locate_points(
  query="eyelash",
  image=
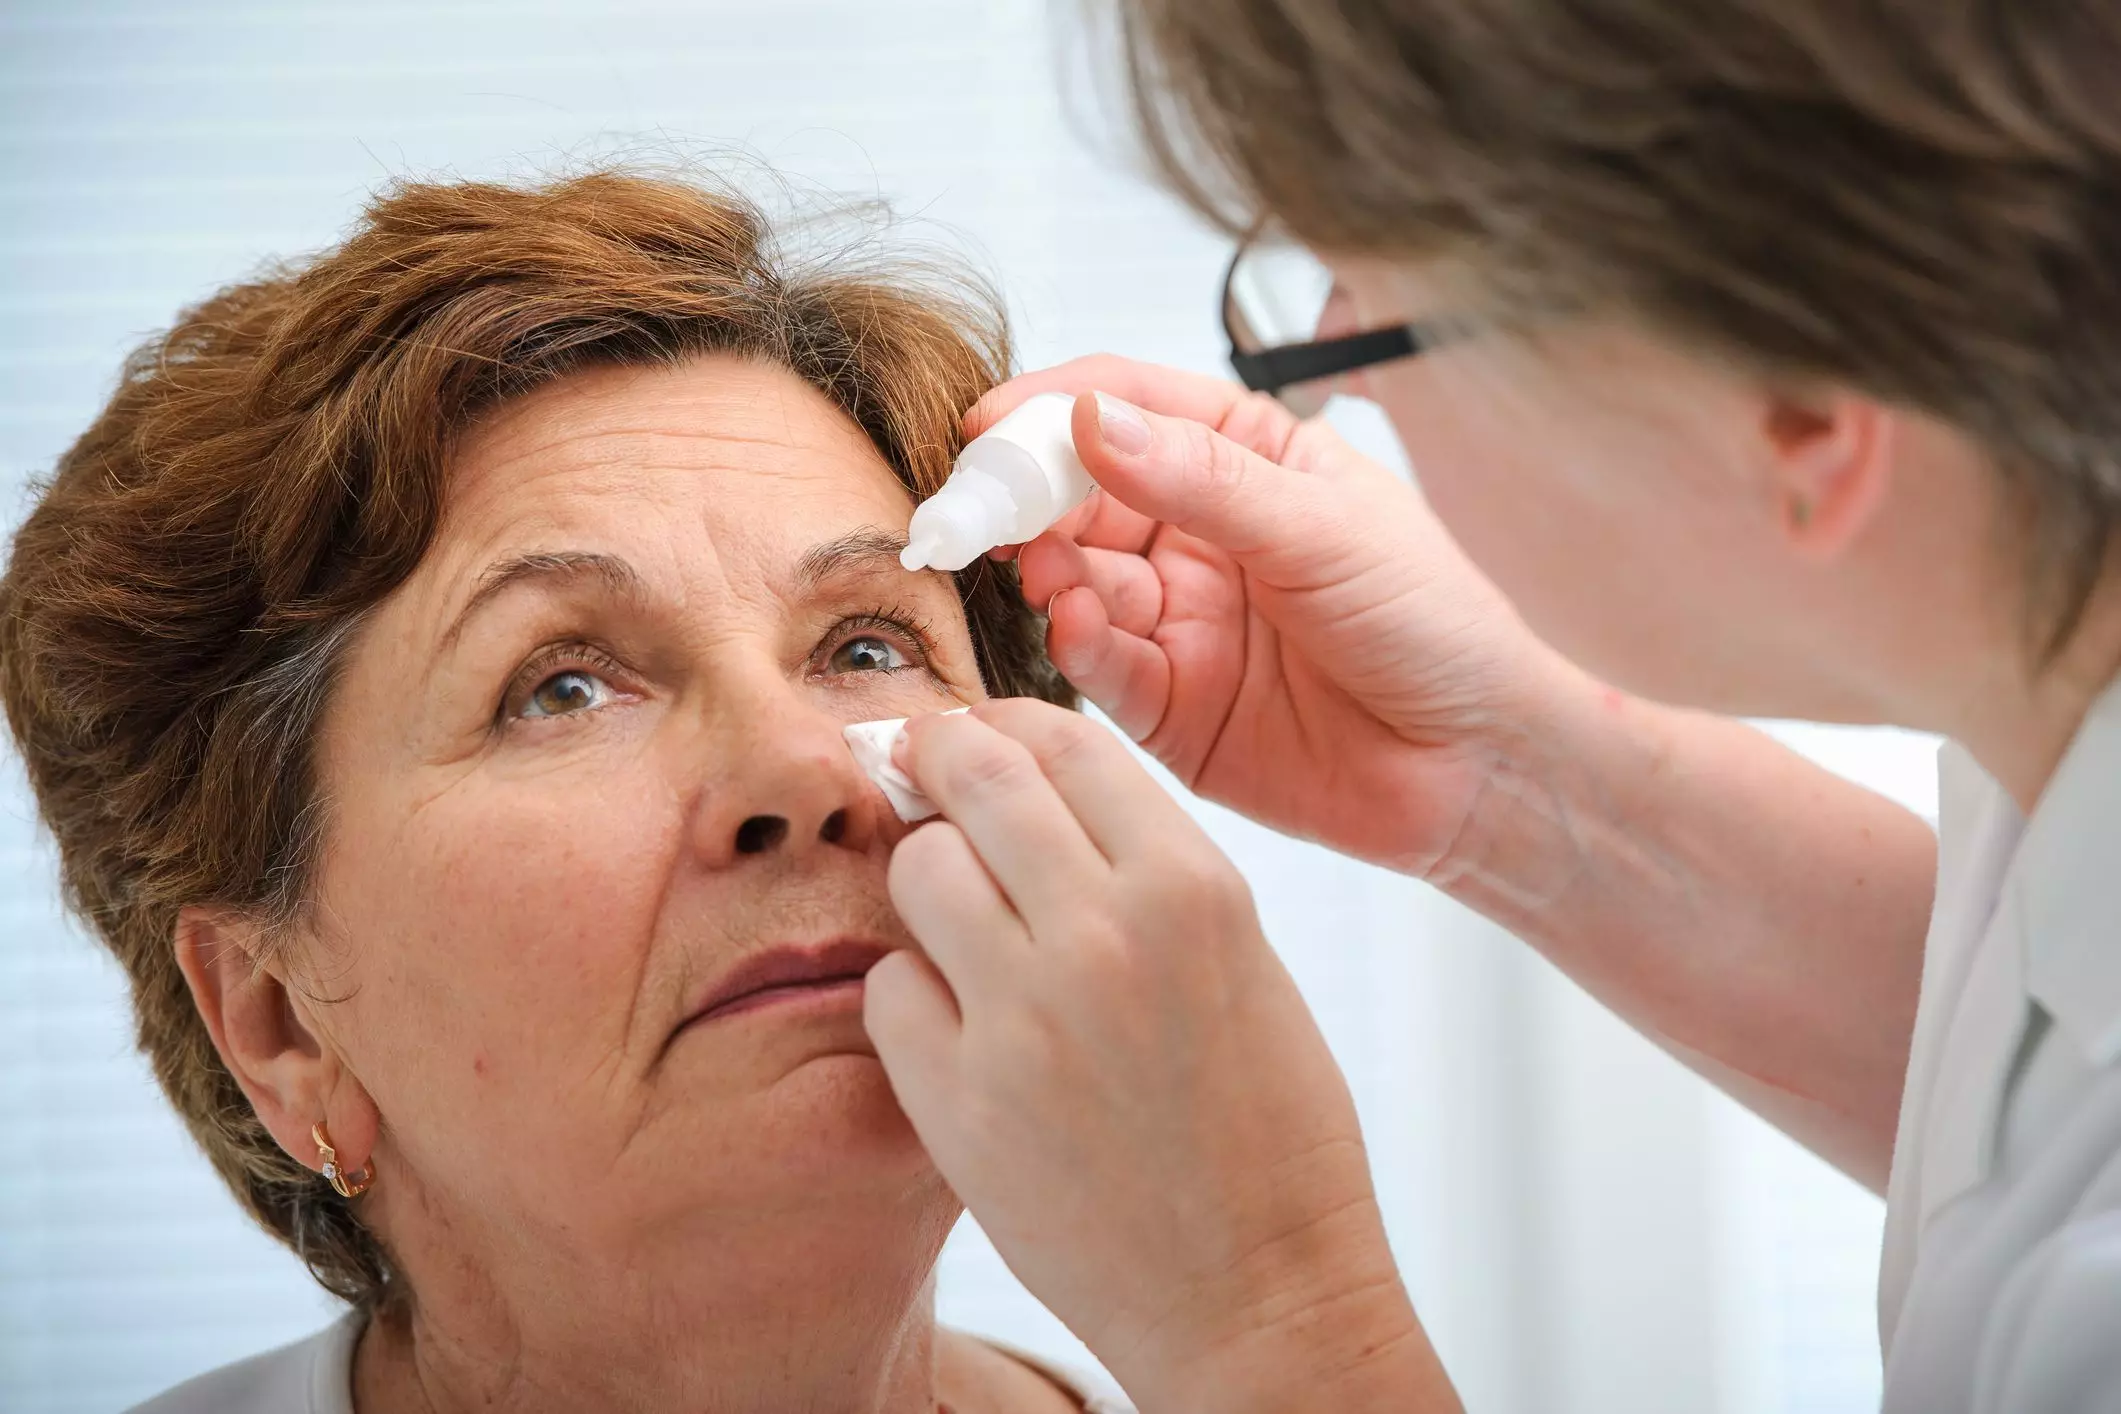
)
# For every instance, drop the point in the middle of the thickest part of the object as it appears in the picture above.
(552, 659)
(914, 632)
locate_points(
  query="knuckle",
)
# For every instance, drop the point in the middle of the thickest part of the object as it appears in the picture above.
(1220, 462)
(1201, 885)
(1059, 740)
(995, 767)
(1073, 742)
(1011, 715)
(1257, 417)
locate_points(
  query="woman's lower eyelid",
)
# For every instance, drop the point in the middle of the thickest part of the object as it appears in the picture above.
(552, 660)
(919, 639)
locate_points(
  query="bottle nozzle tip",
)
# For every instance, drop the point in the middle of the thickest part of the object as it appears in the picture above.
(917, 552)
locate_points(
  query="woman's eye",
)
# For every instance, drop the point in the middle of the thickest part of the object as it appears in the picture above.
(566, 693)
(867, 654)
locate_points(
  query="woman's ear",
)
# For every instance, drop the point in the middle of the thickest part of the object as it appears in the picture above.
(1832, 460)
(266, 1035)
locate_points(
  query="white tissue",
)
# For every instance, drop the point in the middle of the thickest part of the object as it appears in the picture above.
(871, 743)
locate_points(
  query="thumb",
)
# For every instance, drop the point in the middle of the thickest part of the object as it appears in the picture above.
(1277, 521)
(913, 1021)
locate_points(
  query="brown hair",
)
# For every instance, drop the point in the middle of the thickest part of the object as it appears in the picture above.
(1921, 202)
(272, 467)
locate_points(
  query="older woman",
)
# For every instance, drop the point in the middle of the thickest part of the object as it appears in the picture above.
(432, 665)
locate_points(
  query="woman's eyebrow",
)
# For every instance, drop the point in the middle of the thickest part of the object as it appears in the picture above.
(865, 551)
(543, 567)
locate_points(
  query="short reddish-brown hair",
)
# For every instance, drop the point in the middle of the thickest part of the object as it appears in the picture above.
(275, 465)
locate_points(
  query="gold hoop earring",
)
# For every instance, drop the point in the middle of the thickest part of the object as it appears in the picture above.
(346, 1185)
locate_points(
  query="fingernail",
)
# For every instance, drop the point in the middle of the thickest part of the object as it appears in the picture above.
(1121, 426)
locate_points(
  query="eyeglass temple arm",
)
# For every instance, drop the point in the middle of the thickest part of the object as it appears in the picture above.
(1271, 370)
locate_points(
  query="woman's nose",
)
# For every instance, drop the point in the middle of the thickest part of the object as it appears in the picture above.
(763, 834)
(784, 786)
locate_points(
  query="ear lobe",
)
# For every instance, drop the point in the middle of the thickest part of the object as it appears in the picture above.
(262, 1032)
(1833, 465)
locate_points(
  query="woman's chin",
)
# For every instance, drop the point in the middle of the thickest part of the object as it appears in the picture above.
(846, 1101)
(829, 1122)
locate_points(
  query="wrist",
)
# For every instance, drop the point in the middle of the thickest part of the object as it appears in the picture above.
(1354, 1353)
(1568, 762)
(1325, 1325)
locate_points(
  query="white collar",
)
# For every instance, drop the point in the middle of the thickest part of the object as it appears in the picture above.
(2065, 888)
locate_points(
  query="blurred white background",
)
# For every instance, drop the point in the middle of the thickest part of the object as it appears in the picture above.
(1586, 1228)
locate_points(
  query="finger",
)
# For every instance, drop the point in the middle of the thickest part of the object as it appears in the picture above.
(1253, 420)
(1129, 678)
(1127, 585)
(990, 788)
(1119, 804)
(914, 1023)
(1178, 471)
(952, 906)
(1101, 521)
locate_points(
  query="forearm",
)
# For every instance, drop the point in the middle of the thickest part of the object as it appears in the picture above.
(1756, 914)
(1329, 1330)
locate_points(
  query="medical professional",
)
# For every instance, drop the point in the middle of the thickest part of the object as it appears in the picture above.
(1755, 359)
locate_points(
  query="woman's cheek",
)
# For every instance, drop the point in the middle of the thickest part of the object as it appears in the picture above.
(515, 918)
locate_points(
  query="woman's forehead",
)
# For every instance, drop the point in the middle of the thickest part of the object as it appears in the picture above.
(744, 452)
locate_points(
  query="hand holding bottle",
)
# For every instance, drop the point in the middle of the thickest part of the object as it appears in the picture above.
(1276, 618)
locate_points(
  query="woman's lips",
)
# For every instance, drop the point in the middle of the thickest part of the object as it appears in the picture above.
(828, 973)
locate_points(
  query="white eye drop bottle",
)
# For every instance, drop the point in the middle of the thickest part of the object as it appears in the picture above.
(1010, 483)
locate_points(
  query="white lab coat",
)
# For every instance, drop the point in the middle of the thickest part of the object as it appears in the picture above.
(2000, 1291)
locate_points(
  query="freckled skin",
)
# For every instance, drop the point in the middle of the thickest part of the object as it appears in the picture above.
(517, 911)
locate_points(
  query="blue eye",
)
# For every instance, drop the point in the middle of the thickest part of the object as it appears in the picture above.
(566, 693)
(868, 654)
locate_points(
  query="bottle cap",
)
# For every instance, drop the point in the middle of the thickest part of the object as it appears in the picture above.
(1010, 482)
(971, 515)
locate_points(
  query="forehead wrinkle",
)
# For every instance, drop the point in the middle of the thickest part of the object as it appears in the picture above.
(631, 448)
(630, 438)
(721, 416)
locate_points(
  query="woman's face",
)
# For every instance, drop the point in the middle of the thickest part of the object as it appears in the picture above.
(1615, 489)
(586, 776)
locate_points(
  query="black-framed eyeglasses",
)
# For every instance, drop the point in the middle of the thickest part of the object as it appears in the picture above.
(1274, 295)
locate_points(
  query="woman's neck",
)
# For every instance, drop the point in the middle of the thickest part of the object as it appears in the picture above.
(835, 1312)
(2019, 723)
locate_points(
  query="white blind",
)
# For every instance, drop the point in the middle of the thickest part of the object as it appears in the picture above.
(150, 152)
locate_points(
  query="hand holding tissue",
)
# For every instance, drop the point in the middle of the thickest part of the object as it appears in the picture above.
(872, 743)
(1094, 1014)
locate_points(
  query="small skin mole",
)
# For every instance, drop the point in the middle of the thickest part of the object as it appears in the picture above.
(478, 1063)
